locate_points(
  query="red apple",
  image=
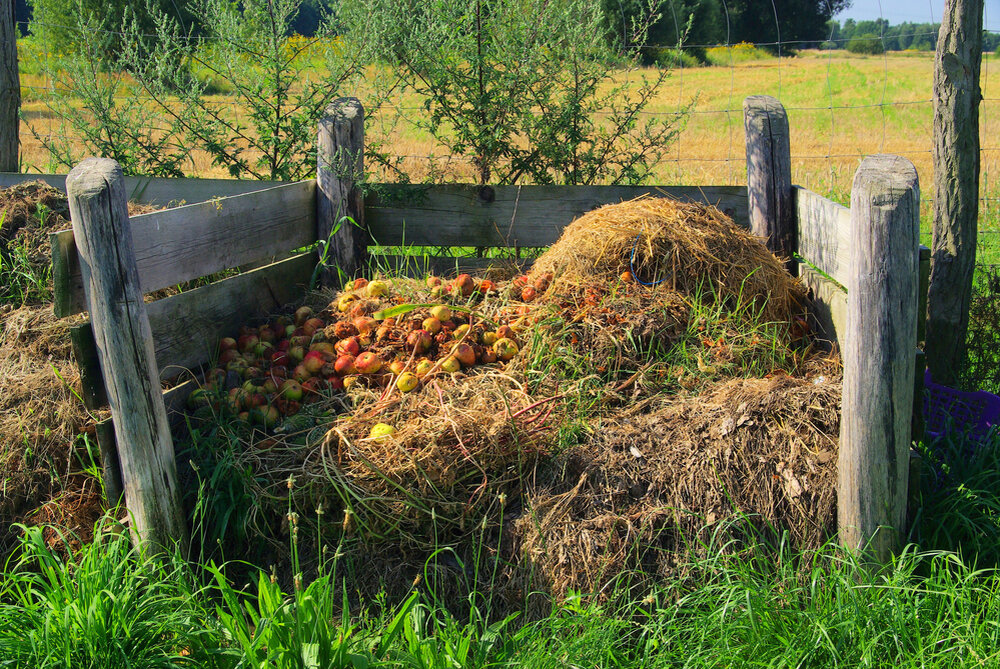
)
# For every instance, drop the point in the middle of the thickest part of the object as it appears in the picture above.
(465, 354)
(358, 284)
(247, 341)
(267, 334)
(528, 294)
(368, 363)
(228, 356)
(296, 354)
(465, 284)
(350, 346)
(313, 361)
(345, 365)
(227, 343)
(397, 366)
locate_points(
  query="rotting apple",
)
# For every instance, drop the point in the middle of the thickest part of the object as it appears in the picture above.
(442, 312)
(419, 341)
(381, 431)
(423, 367)
(313, 361)
(451, 364)
(350, 346)
(302, 314)
(407, 382)
(431, 324)
(377, 289)
(465, 354)
(505, 348)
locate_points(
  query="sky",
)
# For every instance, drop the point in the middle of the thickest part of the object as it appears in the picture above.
(914, 11)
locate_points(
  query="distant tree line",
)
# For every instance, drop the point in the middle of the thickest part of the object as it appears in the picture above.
(881, 36)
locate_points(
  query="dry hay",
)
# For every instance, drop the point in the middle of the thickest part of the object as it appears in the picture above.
(689, 247)
(40, 410)
(647, 481)
(460, 447)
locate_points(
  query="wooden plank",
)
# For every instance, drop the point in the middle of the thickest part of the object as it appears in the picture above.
(87, 361)
(99, 209)
(769, 175)
(878, 349)
(158, 191)
(418, 266)
(824, 237)
(186, 327)
(185, 243)
(522, 216)
(829, 305)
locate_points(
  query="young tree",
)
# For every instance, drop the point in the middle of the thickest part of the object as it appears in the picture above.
(528, 89)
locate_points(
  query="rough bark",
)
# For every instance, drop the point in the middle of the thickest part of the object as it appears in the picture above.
(956, 185)
(769, 174)
(10, 89)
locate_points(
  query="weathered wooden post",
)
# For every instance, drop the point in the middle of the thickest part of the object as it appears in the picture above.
(769, 174)
(99, 209)
(341, 164)
(878, 355)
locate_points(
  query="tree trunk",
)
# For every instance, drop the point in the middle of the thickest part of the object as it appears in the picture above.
(956, 185)
(10, 89)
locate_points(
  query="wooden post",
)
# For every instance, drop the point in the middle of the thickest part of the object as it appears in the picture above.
(341, 164)
(956, 185)
(98, 207)
(879, 355)
(769, 175)
(10, 90)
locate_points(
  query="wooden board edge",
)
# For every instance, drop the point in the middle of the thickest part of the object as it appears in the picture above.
(63, 246)
(446, 266)
(283, 282)
(828, 306)
(88, 363)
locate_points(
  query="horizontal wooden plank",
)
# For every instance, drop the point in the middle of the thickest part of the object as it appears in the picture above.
(824, 233)
(185, 243)
(829, 305)
(186, 327)
(521, 216)
(158, 191)
(417, 266)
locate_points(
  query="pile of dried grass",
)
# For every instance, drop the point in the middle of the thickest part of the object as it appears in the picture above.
(459, 445)
(646, 482)
(689, 247)
(40, 409)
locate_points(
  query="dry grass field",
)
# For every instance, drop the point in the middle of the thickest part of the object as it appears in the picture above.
(841, 107)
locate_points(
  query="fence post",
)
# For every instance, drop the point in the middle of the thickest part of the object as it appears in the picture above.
(10, 90)
(769, 175)
(340, 150)
(878, 355)
(99, 209)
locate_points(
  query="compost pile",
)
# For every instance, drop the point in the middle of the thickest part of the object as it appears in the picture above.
(42, 454)
(651, 375)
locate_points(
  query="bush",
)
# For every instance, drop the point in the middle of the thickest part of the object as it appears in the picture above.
(868, 44)
(674, 59)
(738, 53)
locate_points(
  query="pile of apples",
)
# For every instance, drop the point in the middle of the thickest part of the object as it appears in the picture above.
(267, 373)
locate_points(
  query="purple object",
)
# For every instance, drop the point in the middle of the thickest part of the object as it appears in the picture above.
(974, 413)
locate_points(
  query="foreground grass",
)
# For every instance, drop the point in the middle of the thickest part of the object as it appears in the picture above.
(748, 605)
(110, 606)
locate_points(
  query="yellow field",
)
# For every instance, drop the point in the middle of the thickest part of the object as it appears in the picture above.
(841, 107)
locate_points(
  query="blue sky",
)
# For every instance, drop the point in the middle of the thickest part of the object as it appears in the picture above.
(916, 11)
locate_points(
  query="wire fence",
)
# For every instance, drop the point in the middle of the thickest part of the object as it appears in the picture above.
(841, 108)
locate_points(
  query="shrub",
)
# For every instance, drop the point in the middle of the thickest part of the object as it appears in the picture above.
(738, 53)
(868, 44)
(674, 59)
